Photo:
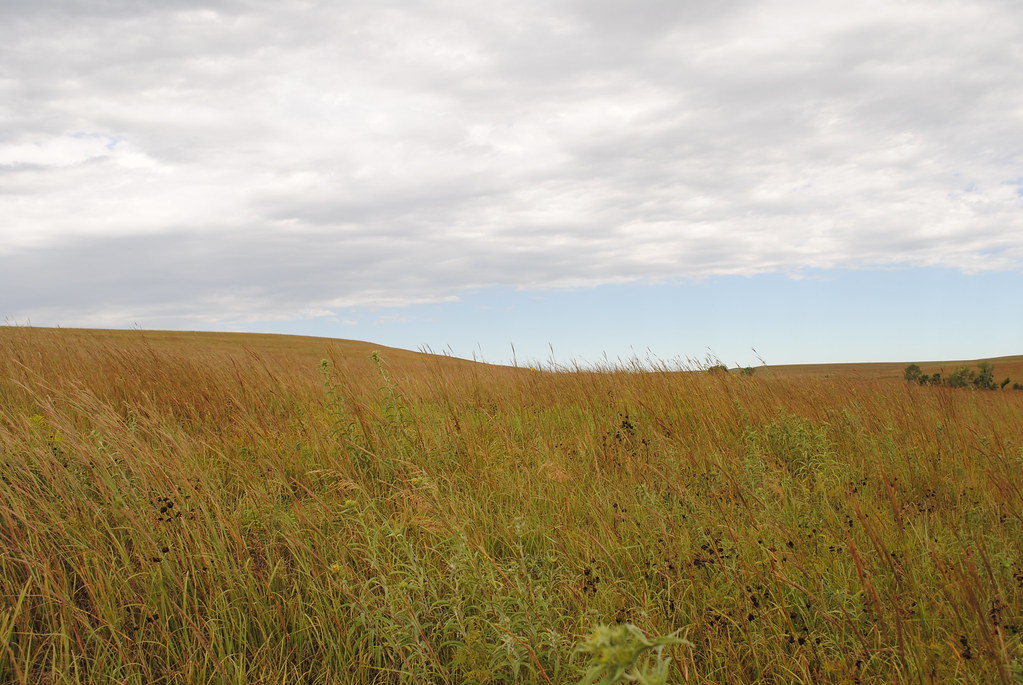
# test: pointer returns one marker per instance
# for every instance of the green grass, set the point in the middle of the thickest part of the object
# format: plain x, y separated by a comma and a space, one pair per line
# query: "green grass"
232, 511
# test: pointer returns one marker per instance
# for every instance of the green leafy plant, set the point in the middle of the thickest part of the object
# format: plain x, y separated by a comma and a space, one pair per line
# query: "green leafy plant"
622, 654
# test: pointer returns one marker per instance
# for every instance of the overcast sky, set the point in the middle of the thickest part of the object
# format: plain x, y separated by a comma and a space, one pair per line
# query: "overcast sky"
328, 166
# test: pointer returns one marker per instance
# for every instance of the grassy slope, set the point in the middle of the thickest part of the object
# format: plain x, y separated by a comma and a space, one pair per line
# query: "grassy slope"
293, 348
184, 508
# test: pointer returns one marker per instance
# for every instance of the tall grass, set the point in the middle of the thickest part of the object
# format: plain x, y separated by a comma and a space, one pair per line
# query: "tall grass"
189, 513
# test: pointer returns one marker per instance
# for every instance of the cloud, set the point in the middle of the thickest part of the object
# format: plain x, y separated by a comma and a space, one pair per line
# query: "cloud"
241, 160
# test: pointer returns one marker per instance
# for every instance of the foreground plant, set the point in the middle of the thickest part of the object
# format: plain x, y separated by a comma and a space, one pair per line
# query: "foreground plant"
621, 654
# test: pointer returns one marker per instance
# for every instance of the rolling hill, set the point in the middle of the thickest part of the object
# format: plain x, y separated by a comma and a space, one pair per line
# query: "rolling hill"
310, 350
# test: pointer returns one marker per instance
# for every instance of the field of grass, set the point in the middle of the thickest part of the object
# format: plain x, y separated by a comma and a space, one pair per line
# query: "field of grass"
200, 508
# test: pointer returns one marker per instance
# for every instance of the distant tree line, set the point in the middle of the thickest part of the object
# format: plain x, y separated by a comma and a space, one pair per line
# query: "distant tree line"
963, 377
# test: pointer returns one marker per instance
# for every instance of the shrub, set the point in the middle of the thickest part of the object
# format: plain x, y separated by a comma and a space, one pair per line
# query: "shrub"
913, 374
961, 378
985, 380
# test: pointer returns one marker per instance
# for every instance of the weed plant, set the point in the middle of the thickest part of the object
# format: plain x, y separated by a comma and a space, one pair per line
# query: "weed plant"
239, 514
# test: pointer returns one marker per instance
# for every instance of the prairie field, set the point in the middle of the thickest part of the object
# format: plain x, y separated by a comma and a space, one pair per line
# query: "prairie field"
228, 508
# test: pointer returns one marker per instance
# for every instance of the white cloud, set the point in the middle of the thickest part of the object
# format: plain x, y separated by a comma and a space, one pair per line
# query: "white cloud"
243, 160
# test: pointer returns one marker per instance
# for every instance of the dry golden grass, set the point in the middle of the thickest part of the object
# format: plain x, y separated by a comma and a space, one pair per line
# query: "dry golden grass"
212, 508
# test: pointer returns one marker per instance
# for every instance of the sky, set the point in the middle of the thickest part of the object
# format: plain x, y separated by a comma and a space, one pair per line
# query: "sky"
575, 180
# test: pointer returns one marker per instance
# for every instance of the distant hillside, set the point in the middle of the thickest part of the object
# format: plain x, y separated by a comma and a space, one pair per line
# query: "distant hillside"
296, 348
1011, 367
